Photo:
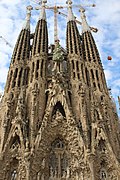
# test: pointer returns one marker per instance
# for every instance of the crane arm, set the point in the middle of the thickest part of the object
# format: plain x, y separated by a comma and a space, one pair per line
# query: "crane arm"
95, 30
7, 43
55, 9
84, 5
39, 2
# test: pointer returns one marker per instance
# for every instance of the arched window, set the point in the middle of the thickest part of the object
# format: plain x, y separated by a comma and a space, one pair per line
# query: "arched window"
87, 76
14, 175
15, 142
38, 176
58, 160
27, 75
82, 71
41, 69
101, 145
97, 75
73, 66
64, 66
103, 174
32, 72
15, 76
59, 107
37, 69
77, 66
92, 73
19, 77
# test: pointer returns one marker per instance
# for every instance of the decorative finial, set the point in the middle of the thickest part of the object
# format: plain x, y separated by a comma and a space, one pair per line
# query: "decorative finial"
70, 13
42, 13
85, 26
27, 19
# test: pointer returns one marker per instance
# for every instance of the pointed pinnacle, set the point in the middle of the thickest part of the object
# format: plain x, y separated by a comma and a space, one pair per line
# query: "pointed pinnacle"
85, 26
27, 19
70, 13
43, 13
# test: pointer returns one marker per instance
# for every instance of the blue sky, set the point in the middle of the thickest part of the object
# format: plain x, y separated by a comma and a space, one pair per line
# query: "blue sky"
105, 16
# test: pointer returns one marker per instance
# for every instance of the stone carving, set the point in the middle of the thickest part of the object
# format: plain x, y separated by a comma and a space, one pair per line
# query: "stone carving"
58, 161
57, 58
57, 118
20, 110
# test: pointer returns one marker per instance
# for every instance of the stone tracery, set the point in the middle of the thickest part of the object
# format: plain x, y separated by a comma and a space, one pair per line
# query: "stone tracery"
58, 161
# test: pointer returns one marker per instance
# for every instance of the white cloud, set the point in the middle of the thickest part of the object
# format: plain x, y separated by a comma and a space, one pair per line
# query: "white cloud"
3, 74
108, 74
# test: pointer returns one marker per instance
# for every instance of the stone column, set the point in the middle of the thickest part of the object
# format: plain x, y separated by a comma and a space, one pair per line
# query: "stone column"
27, 158
91, 158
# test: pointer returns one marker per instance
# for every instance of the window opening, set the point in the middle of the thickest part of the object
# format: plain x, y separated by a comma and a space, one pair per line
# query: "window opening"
59, 107
82, 71
94, 84
41, 69
14, 175
20, 75
73, 66
27, 75
87, 77
24, 79
78, 76
58, 160
73, 75
15, 76
15, 144
32, 74
103, 174
92, 73
77, 66
69, 94
97, 75
37, 68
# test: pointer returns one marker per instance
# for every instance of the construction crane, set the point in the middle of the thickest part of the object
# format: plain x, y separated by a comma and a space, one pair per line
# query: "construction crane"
95, 30
55, 8
7, 43
37, 1
119, 101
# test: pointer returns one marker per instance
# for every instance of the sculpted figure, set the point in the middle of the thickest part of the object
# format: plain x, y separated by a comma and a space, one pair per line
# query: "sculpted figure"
57, 58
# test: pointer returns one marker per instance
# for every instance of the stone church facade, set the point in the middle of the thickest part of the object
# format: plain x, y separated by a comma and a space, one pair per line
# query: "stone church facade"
57, 119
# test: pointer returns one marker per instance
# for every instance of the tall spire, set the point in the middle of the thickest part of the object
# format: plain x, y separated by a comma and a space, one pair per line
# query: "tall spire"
22, 47
70, 13
73, 41
95, 75
43, 13
27, 19
40, 41
85, 26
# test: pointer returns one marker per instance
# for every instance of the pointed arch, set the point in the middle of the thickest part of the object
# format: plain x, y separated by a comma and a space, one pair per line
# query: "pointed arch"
15, 142
12, 172
15, 135
58, 159
14, 175
59, 107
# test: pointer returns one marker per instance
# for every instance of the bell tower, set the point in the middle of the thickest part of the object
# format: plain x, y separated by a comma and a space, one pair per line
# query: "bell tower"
57, 119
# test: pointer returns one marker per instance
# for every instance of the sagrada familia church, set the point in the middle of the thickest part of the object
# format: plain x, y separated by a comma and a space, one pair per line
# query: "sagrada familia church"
57, 118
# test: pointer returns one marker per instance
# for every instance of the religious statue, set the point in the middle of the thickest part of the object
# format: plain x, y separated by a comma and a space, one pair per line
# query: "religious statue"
57, 58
